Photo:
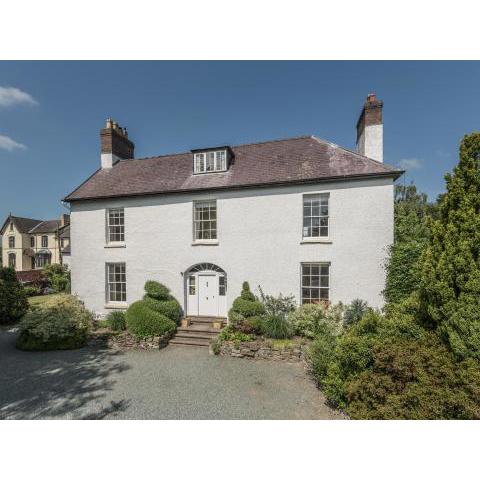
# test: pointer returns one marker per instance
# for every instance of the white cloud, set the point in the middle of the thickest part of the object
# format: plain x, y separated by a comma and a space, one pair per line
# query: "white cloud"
9, 144
411, 163
12, 96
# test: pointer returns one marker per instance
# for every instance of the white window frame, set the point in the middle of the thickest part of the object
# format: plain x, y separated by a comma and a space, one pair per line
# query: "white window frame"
311, 284
112, 281
211, 161
197, 222
316, 218
109, 227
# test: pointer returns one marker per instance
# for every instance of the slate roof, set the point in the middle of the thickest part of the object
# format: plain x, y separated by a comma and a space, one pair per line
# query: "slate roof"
23, 224
46, 226
305, 159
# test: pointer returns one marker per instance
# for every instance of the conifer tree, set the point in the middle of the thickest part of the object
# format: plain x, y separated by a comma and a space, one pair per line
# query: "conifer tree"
450, 267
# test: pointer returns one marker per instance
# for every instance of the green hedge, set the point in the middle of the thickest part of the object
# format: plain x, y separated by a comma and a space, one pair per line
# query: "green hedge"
13, 300
62, 325
247, 308
142, 321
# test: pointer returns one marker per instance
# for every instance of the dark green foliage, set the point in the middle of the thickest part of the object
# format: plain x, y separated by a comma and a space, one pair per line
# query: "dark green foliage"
230, 334
143, 322
156, 314
249, 325
411, 236
277, 326
157, 290
13, 300
58, 277
246, 294
450, 267
170, 308
321, 354
62, 325
32, 291
247, 308
116, 321
355, 311
256, 324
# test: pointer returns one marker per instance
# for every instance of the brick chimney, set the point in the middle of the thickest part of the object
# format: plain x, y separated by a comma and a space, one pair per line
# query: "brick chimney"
370, 129
115, 144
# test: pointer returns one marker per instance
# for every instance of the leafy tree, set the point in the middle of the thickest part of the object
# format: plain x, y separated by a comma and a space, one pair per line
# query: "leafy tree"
450, 273
58, 277
13, 299
411, 236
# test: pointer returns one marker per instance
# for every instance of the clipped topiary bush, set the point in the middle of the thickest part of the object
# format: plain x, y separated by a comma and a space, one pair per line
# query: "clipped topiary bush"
143, 322
247, 308
244, 307
156, 290
13, 300
155, 315
170, 308
116, 321
62, 325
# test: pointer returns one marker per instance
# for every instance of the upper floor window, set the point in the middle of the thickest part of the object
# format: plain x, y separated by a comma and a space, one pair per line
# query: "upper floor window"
316, 215
12, 260
44, 241
11, 227
11, 242
116, 282
315, 282
205, 220
62, 243
32, 242
115, 225
213, 161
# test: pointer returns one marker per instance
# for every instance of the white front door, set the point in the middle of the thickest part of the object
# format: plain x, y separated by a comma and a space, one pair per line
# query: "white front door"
208, 295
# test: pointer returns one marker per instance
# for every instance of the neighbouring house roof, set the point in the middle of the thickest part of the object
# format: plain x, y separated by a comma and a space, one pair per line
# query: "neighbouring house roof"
46, 226
65, 231
305, 159
23, 225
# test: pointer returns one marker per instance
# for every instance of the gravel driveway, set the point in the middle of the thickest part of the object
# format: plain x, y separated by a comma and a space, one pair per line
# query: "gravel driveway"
174, 383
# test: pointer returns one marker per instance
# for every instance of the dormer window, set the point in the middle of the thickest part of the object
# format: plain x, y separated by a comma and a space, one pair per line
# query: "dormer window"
210, 161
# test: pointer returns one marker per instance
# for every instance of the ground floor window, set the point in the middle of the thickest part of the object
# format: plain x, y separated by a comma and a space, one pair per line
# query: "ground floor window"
222, 286
43, 259
116, 282
33, 263
315, 282
12, 260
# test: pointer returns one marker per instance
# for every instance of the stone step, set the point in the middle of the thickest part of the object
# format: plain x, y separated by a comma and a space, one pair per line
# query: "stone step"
203, 335
199, 329
207, 319
200, 342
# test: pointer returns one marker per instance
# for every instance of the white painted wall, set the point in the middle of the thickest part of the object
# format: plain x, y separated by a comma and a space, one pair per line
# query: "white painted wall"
370, 142
259, 240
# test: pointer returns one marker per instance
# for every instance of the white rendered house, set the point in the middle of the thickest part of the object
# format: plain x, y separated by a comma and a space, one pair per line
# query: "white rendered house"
297, 216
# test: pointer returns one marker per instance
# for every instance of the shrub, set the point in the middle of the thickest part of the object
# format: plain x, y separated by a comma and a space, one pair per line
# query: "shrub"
13, 299
355, 311
311, 319
170, 308
320, 355
58, 277
246, 294
32, 291
247, 308
277, 326
59, 326
229, 334
256, 324
116, 321
280, 305
142, 321
157, 290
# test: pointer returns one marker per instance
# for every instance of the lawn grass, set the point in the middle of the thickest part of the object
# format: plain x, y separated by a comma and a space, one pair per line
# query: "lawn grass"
44, 300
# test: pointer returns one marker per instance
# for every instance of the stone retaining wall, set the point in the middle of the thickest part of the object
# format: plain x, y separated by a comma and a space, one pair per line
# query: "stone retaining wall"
265, 349
125, 341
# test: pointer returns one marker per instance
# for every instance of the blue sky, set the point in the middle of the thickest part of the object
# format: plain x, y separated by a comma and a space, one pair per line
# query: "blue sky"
51, 113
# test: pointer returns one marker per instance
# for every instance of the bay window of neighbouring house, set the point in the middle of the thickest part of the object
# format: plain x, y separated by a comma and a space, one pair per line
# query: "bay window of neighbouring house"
11, 242
116, 282
115, 225
208, 162
315, 283
43, 259
44, 241
316, 216
12, 260
205, 220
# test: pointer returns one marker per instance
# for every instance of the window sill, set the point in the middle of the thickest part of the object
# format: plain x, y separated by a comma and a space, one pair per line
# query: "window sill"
117, 306
315, 240
204, 242
116, 245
